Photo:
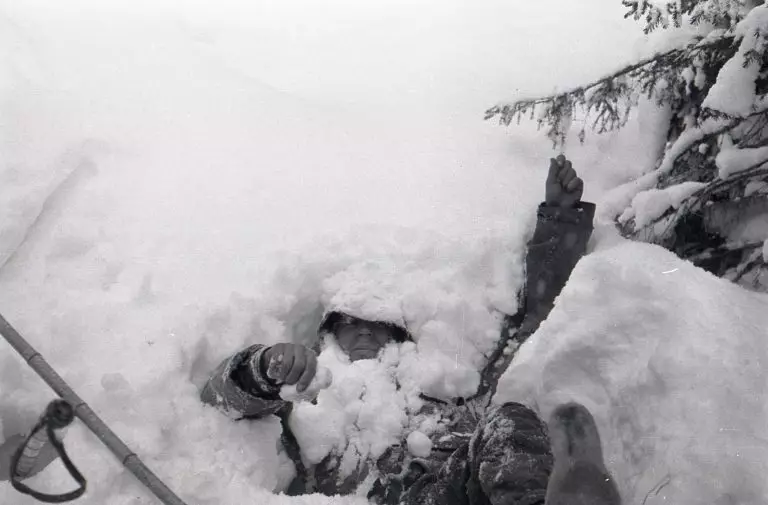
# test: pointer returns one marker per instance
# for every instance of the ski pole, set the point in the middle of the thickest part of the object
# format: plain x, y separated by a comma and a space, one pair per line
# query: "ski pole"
57, 415
129, 460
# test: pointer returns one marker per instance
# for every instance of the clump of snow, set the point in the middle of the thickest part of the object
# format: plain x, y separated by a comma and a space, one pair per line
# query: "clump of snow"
732, 159
651, 204
765, 251
322, 379
361, 414
755, 188
419, 444
734, 91
688, 138
671, 362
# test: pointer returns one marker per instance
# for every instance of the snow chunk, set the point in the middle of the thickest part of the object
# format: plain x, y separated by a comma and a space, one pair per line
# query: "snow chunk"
731, 159
650, 205
765, 251
360, 415
686, 139
734, 90
419, 444
755, 187
619, 198
322, 379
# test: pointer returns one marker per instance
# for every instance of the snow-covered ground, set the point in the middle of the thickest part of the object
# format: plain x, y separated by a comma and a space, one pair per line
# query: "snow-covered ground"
178, 181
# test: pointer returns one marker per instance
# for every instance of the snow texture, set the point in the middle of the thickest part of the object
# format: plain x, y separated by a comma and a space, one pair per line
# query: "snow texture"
734, 90
322, 379
651, 204
363, 412
755, 187
732, 160
670, 360
167, 169
419, 444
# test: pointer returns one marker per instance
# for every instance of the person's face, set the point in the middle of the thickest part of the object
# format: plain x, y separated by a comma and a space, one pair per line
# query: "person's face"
362, 339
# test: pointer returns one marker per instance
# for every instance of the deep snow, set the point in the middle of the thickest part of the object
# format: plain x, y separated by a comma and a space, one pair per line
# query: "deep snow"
180, 181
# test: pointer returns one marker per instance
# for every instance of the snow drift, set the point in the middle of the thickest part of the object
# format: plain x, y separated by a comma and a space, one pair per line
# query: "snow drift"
672, 363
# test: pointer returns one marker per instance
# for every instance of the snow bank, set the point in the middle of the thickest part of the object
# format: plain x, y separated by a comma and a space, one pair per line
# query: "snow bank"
671, 362
449, 289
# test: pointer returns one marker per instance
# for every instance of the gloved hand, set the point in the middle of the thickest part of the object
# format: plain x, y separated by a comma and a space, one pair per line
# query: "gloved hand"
563, 187
288, 364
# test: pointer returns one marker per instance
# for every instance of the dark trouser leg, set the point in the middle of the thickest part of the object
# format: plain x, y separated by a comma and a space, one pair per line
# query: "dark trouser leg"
507, 462
510, 458
446, 486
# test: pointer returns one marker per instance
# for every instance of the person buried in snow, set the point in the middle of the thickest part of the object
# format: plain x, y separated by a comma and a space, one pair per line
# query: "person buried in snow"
457, 455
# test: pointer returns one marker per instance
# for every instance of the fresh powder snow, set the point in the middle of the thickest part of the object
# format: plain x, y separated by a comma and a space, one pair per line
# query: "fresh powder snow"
180, 181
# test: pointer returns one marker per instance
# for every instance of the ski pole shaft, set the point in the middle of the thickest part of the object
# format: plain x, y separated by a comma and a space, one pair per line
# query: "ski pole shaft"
130, 460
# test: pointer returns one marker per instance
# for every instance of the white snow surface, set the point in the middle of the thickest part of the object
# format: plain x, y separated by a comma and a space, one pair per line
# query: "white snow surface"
671, 361
179, 181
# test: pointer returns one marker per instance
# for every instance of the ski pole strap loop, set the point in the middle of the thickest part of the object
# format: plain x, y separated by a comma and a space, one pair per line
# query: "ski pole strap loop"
57, 415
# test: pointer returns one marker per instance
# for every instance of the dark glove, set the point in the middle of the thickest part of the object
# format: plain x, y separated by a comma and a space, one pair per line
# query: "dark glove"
288, 364
563, 187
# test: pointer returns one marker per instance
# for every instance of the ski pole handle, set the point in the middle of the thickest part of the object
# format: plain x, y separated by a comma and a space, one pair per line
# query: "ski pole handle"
57, 415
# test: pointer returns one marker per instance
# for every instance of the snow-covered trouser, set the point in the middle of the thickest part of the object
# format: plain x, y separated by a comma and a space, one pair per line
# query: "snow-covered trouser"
507, 461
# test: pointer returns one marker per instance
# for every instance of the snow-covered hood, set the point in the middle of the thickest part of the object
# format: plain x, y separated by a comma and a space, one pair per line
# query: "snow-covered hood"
399, 331
365, 291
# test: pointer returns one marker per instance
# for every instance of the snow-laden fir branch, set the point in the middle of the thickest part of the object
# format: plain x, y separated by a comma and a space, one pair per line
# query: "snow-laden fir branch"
606, 104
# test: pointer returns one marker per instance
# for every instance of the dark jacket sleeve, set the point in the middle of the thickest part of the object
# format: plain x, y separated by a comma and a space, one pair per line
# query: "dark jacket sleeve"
237, 392
558, 243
